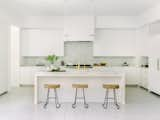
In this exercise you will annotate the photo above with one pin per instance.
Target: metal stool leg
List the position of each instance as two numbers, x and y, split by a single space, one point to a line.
56 99
47 99
85 104
105 104
75 100
115 99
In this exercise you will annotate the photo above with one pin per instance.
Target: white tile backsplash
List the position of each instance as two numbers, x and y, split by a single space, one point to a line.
78 52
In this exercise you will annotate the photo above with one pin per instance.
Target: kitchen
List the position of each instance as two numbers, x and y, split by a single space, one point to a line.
80 48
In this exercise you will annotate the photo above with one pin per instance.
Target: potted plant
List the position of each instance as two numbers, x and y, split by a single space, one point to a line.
52 59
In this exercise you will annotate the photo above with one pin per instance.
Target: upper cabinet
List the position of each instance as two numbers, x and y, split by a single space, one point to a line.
117 22
79 28
42 42
143 41
155 28
115 42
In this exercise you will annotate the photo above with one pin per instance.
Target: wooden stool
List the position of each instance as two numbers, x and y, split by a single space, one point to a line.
80 86
52 86
112 87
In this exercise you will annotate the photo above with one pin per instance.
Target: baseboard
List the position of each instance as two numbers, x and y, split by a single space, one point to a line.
143 88
22 85
155 93
4 93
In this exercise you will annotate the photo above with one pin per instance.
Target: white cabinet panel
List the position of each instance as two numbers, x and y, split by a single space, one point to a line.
79 28
115 42
41 42
154 82
143 41
154 74
155 28
144 78
132 75
117 22
27 74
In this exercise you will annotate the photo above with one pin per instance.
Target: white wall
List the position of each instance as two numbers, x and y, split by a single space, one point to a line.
4 40
5 22
14 55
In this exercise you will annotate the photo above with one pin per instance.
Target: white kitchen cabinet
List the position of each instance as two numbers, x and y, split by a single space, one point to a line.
154 61
132 75
154 74
144 78
79 28
27 74
42 42
116 22
155 28
115 42
143 41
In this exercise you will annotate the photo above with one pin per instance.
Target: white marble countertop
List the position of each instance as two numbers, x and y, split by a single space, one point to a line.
100 72
80 73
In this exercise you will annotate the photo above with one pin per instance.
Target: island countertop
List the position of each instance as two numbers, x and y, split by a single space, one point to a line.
94 79
80 74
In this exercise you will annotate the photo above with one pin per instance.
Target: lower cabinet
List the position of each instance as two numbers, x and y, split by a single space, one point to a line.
144 78
27 74
154 82
132 75
154 75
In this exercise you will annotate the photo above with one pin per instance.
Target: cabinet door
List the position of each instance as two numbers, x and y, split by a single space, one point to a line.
154 74
154 81
25 76
144 78
142 41
41 42
114 42
132 76
155 28
79 28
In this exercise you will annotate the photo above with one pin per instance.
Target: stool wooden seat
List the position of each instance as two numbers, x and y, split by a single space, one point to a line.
111 86
80 85
108 87
52 86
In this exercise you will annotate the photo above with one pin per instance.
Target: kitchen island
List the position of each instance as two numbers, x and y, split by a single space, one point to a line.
94 79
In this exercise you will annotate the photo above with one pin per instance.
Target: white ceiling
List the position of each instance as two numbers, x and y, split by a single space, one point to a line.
77 7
